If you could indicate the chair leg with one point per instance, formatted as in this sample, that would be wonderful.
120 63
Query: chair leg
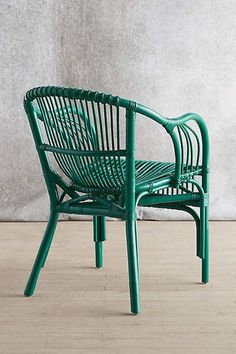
42 253
48 246
99 235
205 260
132 250
136 241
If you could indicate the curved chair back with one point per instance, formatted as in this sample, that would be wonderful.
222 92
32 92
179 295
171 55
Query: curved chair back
86 132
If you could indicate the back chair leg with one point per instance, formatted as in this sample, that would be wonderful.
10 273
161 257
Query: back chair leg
205 260
136 241
99 234
198 241
132 250
42 253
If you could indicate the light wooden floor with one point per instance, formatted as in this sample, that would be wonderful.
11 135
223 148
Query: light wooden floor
80 309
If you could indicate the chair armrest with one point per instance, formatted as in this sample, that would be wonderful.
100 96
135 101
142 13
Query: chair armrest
191 146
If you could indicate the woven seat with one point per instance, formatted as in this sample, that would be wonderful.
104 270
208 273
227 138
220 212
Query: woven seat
91 138
151 171
146 173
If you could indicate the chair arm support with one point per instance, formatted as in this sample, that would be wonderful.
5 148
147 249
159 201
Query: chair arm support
191 150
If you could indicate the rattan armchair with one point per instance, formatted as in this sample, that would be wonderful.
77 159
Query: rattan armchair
91 136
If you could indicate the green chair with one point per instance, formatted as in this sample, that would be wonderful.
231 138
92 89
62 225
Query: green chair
91 137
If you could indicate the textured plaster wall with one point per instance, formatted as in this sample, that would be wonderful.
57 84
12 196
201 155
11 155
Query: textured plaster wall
175 56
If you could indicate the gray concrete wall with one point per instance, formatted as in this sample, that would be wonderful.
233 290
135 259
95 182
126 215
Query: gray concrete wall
175 56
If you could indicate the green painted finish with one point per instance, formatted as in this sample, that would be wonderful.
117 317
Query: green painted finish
130 217
99 235
99 254
91 137
42 254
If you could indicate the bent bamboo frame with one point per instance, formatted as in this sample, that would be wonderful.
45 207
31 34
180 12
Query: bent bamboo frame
82 130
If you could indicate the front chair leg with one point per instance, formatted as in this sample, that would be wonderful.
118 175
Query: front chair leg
42 253
99 235
132 250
